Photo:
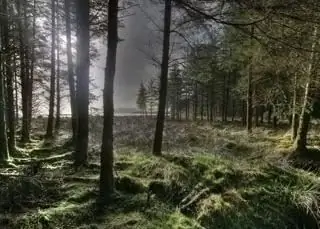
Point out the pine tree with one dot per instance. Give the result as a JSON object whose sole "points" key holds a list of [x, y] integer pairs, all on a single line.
{"points": [[142, 99]]}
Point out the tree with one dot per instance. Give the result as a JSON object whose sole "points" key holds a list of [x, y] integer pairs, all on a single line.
{"points": [[9, 80], [301, 139], [71, 82], [49, 133], [4, 151], [106, 171], [83, 53], [157, 145], [142, 98]]}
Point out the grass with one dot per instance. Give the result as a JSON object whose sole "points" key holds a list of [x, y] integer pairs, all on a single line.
{"points": [[227, 182]]}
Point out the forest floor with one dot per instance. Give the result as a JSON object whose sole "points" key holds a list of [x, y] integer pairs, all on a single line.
{"points": [[210, 176]]}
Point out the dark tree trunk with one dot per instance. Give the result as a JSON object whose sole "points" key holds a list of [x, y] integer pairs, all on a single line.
{"points": [[70, 71], [233, 109], [25, 133], [249, 92], [9, 81], [33, 59], [244, 113], [4, 151], [257, 114], [106, 172], [163, 80], [201, 106], [49, 133], [269, 114], [262, 110], [16, 89], [212, 102], [81, 155], [226, 113], [195, 102]]}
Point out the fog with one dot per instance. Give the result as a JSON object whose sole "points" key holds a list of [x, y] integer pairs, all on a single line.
{"points": [[134, 54]]}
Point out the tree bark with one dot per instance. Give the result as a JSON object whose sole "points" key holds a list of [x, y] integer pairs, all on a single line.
{"points": [[106, 172], [33, 59], [81, 154], [195, 101], [163, 80], [4, 151], [25, 133], [9, 81], [71, 82], [249, 90], [300, 143], [49, 133]]}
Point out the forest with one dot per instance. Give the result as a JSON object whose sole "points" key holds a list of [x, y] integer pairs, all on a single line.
{"points": [[227, 133]]}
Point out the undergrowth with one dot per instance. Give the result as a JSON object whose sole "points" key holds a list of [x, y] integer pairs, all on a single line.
{"points": [[184, 189]]}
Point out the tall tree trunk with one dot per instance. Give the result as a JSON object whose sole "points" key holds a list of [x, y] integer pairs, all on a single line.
{"points": [[201, 105], [262, 110], [163, 80], [106, 172], [16, 89], [25, 133], [9, 81], [244, 113], [212, 102], [269, 113], [49, 133], [256, 115], [58, 112], [81, 155], [4, 151], [195, 102], [33, 59], [294, 127], [249, 90], [71, 82], [226, 109], [300, 143]]}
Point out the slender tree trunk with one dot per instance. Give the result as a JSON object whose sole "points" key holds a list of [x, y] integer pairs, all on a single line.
{"points": [[195, 102], [9, 81], [244, 113], [201, 105], [226, 113], [25, 133], [294, 127], [106, 172], [269, 114], [33, 59], [233, 110], [256, 115], [249, 90], [300, 143], [81, 155], [58, 112], [212, 102], [49, 133], [163, 80], [16, 89], [71, 82], [262, 110], [4, 151]]}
